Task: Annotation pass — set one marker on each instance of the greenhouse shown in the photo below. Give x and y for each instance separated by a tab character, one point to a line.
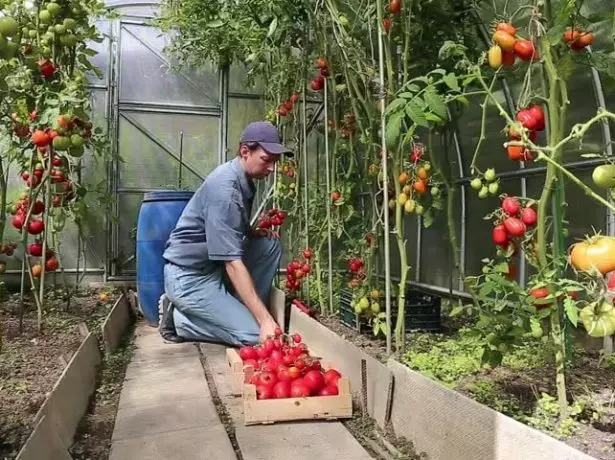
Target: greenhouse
350	229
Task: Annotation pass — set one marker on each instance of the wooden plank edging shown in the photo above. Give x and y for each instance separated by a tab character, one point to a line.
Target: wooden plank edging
441	422
115	324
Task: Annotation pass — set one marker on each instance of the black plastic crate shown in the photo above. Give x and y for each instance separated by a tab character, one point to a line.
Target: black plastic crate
422	312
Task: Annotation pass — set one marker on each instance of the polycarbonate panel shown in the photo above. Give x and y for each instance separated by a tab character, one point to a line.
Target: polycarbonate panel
100	60
200	139
146	77
582	212
128	207
437	265
240	113
582	107
492	153
148	11
145	164
238	82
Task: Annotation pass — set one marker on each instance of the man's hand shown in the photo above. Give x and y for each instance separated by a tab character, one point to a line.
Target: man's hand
268	328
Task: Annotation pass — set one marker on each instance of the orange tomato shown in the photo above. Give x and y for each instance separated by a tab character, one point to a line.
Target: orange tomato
507	27
504	39
420	186
423	173
36	270
403	178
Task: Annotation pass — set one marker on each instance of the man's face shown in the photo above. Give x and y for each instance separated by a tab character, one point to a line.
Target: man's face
259	163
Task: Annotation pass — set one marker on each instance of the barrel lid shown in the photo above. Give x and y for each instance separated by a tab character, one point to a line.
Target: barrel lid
168	195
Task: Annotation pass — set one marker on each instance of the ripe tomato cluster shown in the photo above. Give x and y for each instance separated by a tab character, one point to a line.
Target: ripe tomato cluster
284	368
297	270
272	218
577	39
532	119
394	8
416	181
287	106
508	46
356	267
318	82
513	221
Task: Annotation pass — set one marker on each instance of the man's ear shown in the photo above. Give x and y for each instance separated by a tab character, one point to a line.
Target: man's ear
243	150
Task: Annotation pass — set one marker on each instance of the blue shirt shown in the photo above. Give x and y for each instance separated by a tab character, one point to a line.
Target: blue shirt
215	221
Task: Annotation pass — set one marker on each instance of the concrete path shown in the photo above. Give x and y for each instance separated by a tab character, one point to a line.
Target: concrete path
166	412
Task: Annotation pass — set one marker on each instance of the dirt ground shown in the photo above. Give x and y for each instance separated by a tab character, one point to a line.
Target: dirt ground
31	362
517	390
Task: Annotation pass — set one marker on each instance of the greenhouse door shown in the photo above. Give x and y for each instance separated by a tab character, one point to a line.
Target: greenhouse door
166	125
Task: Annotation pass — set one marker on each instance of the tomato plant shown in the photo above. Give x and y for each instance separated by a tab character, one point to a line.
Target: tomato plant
46	127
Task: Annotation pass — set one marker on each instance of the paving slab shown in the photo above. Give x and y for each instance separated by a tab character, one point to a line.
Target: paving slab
205	443
160	418
322	440
166	410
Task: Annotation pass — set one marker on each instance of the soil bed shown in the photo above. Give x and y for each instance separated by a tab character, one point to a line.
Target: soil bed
516	388
31	363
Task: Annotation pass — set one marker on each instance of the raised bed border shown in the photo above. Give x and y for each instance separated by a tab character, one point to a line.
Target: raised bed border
57	420
440	422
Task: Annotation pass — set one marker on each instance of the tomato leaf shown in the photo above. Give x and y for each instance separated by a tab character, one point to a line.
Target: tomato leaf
413	110
427	219
492	357
570	307
457	310
395	106
451	81
436	104
406	95
393	129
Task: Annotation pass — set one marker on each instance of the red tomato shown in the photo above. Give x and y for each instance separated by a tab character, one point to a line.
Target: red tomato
329	390
500	235
331	377
248	352
529	216
264	391
524	49
314	380
298	389
281	389
514	227
511	206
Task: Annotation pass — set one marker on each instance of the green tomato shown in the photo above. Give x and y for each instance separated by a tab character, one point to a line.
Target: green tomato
8	26
60	29
363	303
53	8
70	23
435	191
537	332
476	183
494	187
490	175
419	209
375	308
343	20
604	176
484	192
45	17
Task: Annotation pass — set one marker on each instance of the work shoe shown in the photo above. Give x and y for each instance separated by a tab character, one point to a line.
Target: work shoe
166	325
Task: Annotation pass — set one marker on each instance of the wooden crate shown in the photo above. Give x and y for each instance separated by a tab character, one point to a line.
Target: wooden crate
236	370
266	411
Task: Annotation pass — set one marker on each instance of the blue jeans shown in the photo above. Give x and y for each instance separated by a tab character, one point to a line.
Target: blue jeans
205	309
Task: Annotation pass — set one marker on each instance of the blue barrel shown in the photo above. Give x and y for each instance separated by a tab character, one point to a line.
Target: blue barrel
158	216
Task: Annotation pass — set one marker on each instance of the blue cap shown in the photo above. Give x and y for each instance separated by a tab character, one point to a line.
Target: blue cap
266	135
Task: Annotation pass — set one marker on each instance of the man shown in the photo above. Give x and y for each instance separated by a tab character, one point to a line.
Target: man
218	272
